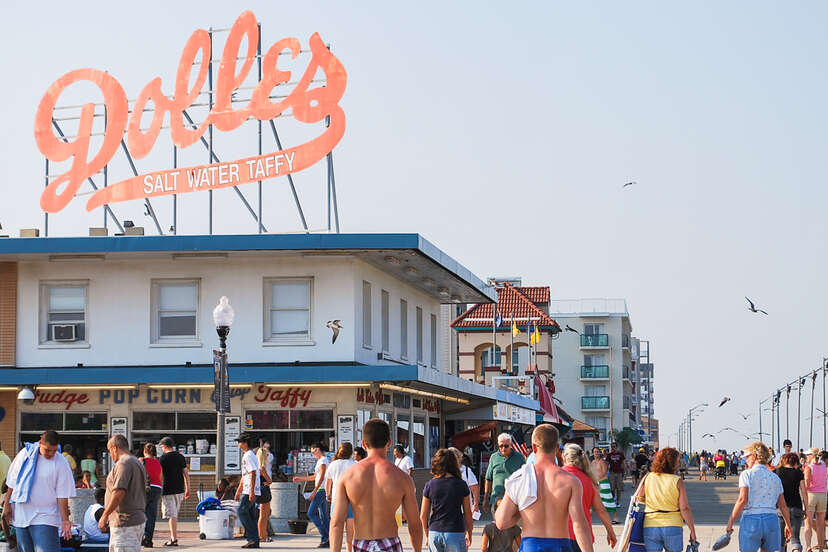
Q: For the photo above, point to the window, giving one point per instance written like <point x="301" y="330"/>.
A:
<point x="594" y="360"/>
<point x="288" y="310"/>
<point x="366" y="314"/>
<point x="385" y="327"/>
<point x="419" y="335"/>
<point x="593" y="329"/>
<point x="403" y="329"/>
<point x="596" y="390"/>
<point x="520" y="360"/>
<point x="63" y="312"/>
<point x="600" y="423"/>
<point x="175" y="310"/>
<point x="63" y="421"/>
<point x="487" y="359"/>
<point x="433" y="341"/>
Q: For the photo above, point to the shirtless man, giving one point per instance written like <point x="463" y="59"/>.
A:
<point x="598" y="464"/>
<point x="375" y="488"/>
<point x="558" y="498"/>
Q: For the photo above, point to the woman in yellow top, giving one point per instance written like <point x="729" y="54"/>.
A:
<point x="667" y="509"/>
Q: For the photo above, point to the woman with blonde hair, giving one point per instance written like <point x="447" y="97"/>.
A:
<point x="266" y="478"/>
<point x="576" y="462"/>
<point x="666" y="508"/>
<point x="760" y="494"/>
<point x="343" y="459"/>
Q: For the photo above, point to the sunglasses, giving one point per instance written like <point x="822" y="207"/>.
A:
<point x="504" y="446"/>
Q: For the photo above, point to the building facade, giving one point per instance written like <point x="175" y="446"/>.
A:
<point x="594" y="362"/>
<point x="115" y="335"/>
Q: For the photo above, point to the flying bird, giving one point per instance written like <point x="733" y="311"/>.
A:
<point x="708" y="435"/>
<point x="335" y="326"/>
<point x="752" y="307"/>
<point x="631" y="183"/>
<point x="571" y="329"/>
<point x="745" y="416"/>
<point x="724" y="400"/>
<point x="730" y="429"/>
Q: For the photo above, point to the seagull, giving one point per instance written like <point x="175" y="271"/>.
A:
<point x="745" y="416"/>
<point x="752" y="307"/>
<point x="822" y="412"/>
<point x="708" y="435"/>
<point x="724" y="400"/>
<point x="729" y="429"/>
<point x="335" y="326"/>
<point x="571" y="329"/>
<point x="631" y="183"/>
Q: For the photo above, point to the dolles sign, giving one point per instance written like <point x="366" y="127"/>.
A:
<point x="308" y="105"/>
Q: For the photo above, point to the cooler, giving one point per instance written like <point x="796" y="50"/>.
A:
<point x="215" y="525"/>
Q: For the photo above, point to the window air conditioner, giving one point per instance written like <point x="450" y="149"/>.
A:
<point x="64" y="332"/>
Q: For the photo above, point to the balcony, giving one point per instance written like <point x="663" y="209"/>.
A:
<point x="595" y="403"/>
<point x="625" y="341"/>
<point x="595" y="372"/>
<point x="594" y="341"/>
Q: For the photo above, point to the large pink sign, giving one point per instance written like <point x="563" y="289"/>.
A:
<point x="308" y="105"/>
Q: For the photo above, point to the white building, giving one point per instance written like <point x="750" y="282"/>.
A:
<point x="116" y="334"/>
<point x="593" y="362"/>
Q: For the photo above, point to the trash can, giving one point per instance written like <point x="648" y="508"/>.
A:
<point x="78" y="504"/>
<point x="284" y="505"/>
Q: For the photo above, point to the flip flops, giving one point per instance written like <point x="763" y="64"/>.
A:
<point x="171" y="543"/>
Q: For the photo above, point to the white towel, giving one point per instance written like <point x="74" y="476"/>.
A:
<point x="522" y="487"/>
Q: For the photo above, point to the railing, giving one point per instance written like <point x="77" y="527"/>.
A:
<point x="594" y="340"/>
<point x="595" y="403"/>
<point x="597" y="371"/>
<point x="522" y="385"/>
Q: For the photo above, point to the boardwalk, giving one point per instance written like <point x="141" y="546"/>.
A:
<point x="711" y="502"/>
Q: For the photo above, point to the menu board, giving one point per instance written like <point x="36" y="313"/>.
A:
<point x="232" y="459"/>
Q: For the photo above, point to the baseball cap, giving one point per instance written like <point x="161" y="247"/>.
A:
<point x="812" y="451"/>
<point x="722" y="541"/>
<point x="244" y="438"/>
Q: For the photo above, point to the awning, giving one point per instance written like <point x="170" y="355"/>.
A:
<point x="479" y="434"/>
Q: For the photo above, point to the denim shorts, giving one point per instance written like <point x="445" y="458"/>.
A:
<point x="759" y="531"/>
<point x="440" y="541"/>
<point x="669" y="538"/>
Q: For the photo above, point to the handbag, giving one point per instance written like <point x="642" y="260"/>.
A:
<point x="265" y="496"/>
<point x="637" y="508"/>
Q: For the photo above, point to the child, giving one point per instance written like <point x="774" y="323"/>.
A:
<point x="495" y="540"/>
<point x="85" y="481"/>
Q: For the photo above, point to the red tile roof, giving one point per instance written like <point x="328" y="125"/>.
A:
<point x="536" y="294"/>
<point x="511" y="302"/>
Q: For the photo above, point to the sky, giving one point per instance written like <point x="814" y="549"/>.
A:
<point x="502" y="132"/>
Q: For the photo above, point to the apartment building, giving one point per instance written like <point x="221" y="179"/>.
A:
<point x="594" y="362"/>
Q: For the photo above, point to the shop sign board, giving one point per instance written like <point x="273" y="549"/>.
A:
<point x="345" y="429"/>
<point x="307" y="105"/>
<point x="232" y="459"/>
<point x="67" y="399"/>
<point x="118" y="427"/>
<point x="505" y="412"/>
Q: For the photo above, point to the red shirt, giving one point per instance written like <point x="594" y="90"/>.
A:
<point x="586" y="499"/>
<point x="153" y="467"/>
<point x="616" y="461"/>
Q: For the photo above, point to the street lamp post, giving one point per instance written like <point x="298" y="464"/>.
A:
<point x="690" y="424"/>
<point x="223" y="316"/>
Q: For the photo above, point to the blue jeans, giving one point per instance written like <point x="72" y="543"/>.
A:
<point x="151" y="511"/>
<point x="249" y="517"/>
<point x="759" y="531"/>
<point x="319" y="515"/>
<point x="38" y="538"/>
<point x="438" y="541"/>
<point x="670" y="538"/>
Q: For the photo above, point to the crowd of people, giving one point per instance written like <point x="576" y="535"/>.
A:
<point x="541" y="501"/>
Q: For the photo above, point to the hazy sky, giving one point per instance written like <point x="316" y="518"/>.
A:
<point x="503" y="132"/>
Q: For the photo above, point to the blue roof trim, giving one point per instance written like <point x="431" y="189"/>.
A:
<point x="239" y="373"/>
<point x="241" y="242"/>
